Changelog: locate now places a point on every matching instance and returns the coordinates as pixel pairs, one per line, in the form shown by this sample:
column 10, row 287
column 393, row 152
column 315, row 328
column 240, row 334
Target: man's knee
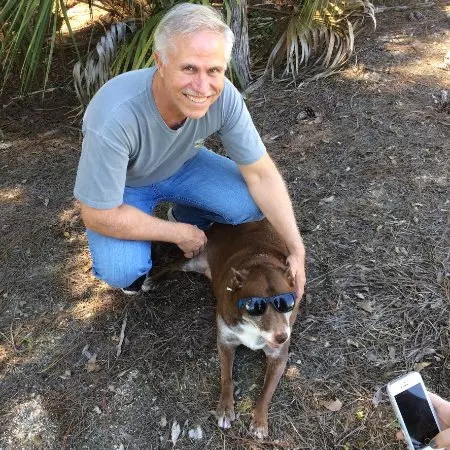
column 118, row 262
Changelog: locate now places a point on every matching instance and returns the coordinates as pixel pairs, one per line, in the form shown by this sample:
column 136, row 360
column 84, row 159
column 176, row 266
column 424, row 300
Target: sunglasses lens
column 256, row 306
column 284, row 303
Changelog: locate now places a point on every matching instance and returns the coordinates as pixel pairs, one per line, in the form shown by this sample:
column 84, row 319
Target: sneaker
column 143, row 283
column 170, row 216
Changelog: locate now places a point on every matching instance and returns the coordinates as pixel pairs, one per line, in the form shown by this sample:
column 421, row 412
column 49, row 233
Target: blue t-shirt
column 127, row 143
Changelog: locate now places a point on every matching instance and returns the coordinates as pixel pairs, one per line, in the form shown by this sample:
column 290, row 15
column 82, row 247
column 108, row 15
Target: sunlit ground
column 12, row 195
column 80, row 17
column 79, row 274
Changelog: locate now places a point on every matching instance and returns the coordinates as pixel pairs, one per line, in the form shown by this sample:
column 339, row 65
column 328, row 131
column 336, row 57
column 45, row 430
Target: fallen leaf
column 310, row 338
column 353, row 343
column 326, row 200
column 391, row 350
column 376, row 399
column 366, row 306
column 67, row 374
column 92, row 365
column 425, row 352
column 360, row 295
column 196, row 433
column 333, row 405
column 245, row 405
column 292, row 373
column 163, row 421
column 318, row 119
column 85, row 352
column 420, row 366
column 176, row 430
column 267, row 138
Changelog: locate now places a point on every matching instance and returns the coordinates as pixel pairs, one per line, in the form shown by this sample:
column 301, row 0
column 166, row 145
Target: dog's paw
column 225, row 415
column 259, row 428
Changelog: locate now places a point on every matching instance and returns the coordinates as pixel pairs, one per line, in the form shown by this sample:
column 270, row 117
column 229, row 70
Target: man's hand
column 296, row 262
column 269, row 192
column 442, row 408
column 190, row 239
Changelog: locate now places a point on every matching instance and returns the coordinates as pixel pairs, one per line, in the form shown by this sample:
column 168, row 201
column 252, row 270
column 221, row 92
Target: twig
column 380, row 9
column 259, row 444
column 12, row 338
column 122, row 335
column 20, row 97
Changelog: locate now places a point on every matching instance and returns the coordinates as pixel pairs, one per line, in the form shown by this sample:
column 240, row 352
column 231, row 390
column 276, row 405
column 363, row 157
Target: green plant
column 29, row 29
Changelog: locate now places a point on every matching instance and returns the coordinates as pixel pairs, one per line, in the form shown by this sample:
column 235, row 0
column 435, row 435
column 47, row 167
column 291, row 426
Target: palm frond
column 29, row 29
column 91, row 74
column 319, row 38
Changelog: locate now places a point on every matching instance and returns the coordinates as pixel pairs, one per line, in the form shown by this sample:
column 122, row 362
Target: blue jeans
column 207, row 188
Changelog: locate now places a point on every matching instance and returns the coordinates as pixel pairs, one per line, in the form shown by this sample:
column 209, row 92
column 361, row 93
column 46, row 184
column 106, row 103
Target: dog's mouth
column 273, row 344
column 262, row 336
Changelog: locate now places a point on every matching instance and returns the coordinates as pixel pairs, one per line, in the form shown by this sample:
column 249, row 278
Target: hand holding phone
column 414, row 410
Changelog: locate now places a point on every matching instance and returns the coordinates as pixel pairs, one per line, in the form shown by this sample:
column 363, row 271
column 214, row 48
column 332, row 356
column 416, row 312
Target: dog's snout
column 280, row 338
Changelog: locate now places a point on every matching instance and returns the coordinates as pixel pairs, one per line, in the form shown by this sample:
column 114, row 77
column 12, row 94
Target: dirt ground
column 369, row 182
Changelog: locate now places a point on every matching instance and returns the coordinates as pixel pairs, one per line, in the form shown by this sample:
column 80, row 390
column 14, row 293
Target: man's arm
column 269, row 192
column 128, row 222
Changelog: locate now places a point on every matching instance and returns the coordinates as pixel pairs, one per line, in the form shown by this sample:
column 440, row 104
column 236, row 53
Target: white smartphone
column 414, row 410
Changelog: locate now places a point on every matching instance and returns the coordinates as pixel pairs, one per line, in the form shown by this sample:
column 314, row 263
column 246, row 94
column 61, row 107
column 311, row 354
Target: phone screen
column 417, row 415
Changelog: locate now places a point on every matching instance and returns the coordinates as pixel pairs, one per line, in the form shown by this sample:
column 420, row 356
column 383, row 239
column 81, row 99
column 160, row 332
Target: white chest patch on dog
column 245, row 334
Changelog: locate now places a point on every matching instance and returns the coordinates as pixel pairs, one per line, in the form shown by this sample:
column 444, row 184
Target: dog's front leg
column 225, row 410
column 276, row 363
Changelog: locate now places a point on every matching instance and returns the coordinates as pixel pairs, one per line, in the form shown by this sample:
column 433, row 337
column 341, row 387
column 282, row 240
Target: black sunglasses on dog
column 256, row 306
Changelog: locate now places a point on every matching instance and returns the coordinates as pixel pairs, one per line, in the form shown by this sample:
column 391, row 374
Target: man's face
column 193, row 74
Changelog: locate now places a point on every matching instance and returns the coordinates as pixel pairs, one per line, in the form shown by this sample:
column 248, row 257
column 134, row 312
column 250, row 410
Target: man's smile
column 197, row 99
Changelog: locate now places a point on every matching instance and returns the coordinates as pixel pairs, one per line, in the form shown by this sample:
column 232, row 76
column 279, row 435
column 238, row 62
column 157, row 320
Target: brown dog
column 248, row 261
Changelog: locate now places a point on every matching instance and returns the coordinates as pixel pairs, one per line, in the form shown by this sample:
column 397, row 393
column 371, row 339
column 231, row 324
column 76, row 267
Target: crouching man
column 143, row 134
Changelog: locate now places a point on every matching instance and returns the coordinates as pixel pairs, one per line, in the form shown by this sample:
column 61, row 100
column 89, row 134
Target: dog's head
column 257, row 295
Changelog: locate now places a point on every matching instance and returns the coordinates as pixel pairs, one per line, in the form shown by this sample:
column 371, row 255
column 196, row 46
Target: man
column 142, row 145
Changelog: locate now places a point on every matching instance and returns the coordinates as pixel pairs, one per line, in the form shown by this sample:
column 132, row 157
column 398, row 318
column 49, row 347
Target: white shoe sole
column 170, row 216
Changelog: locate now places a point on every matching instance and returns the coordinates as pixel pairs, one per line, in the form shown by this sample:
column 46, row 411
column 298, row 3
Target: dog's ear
column 288, row 275
column 238, row 279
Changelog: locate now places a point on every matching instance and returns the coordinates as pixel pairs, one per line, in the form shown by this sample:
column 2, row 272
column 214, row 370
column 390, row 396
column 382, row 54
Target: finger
column 442, row 440
column 399, row 435
column 299, row 289
column 299, row 286
column 436, row 400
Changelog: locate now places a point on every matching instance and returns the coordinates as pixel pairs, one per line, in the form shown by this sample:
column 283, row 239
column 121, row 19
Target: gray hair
column 188, row 18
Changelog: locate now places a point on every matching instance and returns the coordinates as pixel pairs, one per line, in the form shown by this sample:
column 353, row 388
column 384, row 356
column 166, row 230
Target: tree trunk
column 241, row 50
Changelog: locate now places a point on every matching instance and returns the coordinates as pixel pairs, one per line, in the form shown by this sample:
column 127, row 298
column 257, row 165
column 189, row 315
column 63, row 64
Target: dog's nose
column 280, row 338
